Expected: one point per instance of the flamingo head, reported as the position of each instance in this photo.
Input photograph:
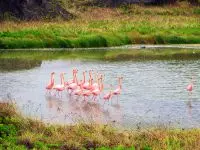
(120, 78)
(90, 72)
(75, 70)
(101, 77)
(62, 73)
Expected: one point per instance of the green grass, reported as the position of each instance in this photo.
(97, 54)
(18, 132)
(118, 26)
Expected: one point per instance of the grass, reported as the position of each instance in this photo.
(18, 132)
(105, 27)
(96, 54)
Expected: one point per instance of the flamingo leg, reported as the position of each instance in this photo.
(84, 98)
(117, 99)
(55, 93)
(77, 97)
(95, 98)
(61, 94)
(50, 92)
(47, 92)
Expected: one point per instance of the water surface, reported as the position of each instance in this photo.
(154, 93)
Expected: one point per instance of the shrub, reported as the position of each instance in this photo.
(7, 130)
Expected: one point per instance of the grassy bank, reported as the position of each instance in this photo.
(104, 27)
(109, 55)
(17, 132)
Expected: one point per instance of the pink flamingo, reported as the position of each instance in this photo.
(51, 83)
(72, 80)
(87, 93)
(108, 96)
(79, 91)
(60, 87)
(97, 91)
(119, 88)
(87, 85)
(95, 85)
(82, 81)
(190, 86)
(73, 85)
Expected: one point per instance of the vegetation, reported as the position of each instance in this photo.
(17, 132)
(104, 27)
(10, 57)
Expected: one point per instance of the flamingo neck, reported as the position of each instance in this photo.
(81, 87)
(76, 80)
(96, 77)
(62, 79)
(83, 77)
(91, 82)
(73, 77)
(120, 83)
(99, 84)
(52, 78)
(90, 75)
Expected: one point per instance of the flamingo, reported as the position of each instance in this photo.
(82, 81)
(87, 93)
(107, 97)
(97, 90)
(79, 91)
(119, 88)
(86, 85)
(60, 87)
(95, 85)
(190, 86)
(70, 81)
(73, 85)
(51, 83)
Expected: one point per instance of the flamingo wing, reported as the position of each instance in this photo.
(86, 85)
(117, 91)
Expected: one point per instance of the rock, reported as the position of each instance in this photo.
(33, 9)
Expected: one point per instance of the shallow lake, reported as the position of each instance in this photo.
(153, 93)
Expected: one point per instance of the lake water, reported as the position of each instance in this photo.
(153, 93)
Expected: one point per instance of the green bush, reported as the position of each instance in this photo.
(7, 130)
(196, 11)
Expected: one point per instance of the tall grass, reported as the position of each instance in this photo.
(103, 27)
(18, 132)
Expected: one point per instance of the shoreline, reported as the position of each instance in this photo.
(18, 132)
(125, 47)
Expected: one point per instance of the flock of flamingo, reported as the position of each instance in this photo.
(93, 87)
